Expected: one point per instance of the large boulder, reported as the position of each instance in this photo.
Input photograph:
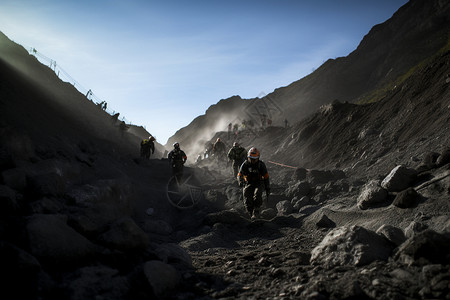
(298, 189)
(353, 245)
(52, 241)
(161, 277)
(47, 184)
(444, 158)
(15, 178)
(319, 176)
(371, 195)
(125, 235)
(284, 207)
(399, 179)
(394, 234)
(299, 174)
(9, 201)
(407, 198)
(426, 247)
(173, 253)
(95, 206)
(97, 282)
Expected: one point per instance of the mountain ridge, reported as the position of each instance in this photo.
(387, 52)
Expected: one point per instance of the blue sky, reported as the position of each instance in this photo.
(163, 63)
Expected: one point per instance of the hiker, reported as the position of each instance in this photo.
(219, 149)
(208, 150)
(147, 147)
(229, 130)
(263, 121)
(286, 123)
(236, 155)
(177, 158)
(253, 176)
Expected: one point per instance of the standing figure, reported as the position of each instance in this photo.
(253, 176)
(219, 150)
(147, 147)
(236, 155)
(177, 158)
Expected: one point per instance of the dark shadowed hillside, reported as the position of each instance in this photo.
(359, 204)
(46, 95)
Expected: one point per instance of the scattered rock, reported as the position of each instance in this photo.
(268, 213)
(157, 227)
(406, 198)
(125, 235)
(161, 276)
(426, 247)
(353, 245)
(399, 179)
(173, 253)
(15, 178)
(97, 282)
(413, 228)
(325, 222)
(299, 203)
(9, 203)
(53, 242)
(444, 158)
(392, 233)
(299, 174)
(372, 194)
(298, 189)
(284, 207)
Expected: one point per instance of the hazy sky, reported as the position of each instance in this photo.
(163, 63)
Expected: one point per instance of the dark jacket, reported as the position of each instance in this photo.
(237, 154)
(254, 173)
(177, 157)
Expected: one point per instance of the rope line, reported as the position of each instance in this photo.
(65, 76)
(283, 165)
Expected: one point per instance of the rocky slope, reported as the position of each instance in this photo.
(359, 207)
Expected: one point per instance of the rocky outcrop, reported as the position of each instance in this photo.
(350, 246)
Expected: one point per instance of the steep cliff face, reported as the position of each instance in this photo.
(383, 59)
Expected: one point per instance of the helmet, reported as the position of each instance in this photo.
(253, 153)
(235, 144)
(176, 145)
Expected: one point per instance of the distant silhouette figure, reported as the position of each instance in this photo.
(115, 117)
(147, 147)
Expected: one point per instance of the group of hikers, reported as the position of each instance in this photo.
(249, 171)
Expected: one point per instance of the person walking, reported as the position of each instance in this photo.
(236, 155)
(219, 150)
(147, 147)
(253, 177)
(177, 159)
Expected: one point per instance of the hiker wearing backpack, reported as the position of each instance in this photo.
(236, 155)
(177, 158)
(253, 177)
(147, 147)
